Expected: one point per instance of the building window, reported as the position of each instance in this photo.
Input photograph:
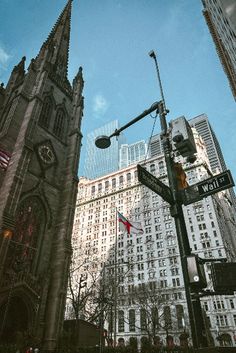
(143, 319)
(30, 222)
(121, 321)
(205, 306)
(46, 112)
(221, 320)
(113, 183)
(128, 176)
(167, 318)
(121, 179)
(132, 320)
(58, 127)
(152, 168)
(180, 316)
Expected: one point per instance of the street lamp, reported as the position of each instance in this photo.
(193, 302)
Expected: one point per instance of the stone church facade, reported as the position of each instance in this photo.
(40, 139)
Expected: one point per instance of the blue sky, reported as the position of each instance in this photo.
(111, 39)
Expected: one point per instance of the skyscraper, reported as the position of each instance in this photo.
(213, 149)
(214, 153)
(220, 16)
(40, 138)
(132, 153)
(100, 162)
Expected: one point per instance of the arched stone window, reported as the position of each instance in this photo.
(121, 179)
(152, 168)
(46, 112)
(167, 318)
(113, 182)
(180, 316)
(59, 124)
(161, 167)
(143, 319)
(106, 184)
(133, 342)
(128, 176)
(121, 342)
(131, 320)
(30, 224)
(121, 321)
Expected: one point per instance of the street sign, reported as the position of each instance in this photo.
(154, 184)
(207, 187)
(214, 184)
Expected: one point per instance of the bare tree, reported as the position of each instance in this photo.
(155, 313)
(82, 288)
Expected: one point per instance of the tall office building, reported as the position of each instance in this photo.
(100, 162)
(214, 153)
(148, 263)
(156, 148)
(220, 16)
(133, 153)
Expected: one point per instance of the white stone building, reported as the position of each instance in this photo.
(150, 260)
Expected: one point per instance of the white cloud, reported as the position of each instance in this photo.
(4, 57)
(100, 104)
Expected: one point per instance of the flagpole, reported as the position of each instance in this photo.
(115, 289)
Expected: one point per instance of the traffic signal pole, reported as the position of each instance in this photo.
(176, 210)
(193, 304)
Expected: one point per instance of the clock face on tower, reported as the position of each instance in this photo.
(46, 154)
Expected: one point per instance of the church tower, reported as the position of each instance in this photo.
(40, 139)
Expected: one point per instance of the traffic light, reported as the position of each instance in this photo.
(180, 176)
(182, 138)
(196, 272)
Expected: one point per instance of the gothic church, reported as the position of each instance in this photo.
(40, 139)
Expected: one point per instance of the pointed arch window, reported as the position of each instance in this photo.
(30, 224)
(46, 112)
(58, 128)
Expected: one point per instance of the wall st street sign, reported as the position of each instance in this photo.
(207, 187)
(217, 183)
(154, 184)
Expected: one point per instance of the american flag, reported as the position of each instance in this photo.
(4, 159)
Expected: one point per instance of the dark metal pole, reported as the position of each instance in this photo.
(194, 309)
(153, 107)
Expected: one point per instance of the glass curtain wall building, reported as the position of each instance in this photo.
(99, 162)
(132, 153)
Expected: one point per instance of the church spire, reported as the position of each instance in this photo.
(56, 48)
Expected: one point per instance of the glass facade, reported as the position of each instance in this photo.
(99, 162)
